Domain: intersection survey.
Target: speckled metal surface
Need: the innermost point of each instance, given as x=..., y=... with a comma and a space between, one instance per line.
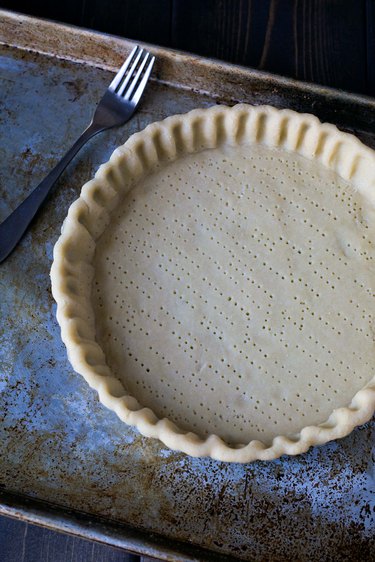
x=59, y=444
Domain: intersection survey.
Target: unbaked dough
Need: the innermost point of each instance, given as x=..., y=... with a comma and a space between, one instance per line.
x=215, y=282
x=234, y=293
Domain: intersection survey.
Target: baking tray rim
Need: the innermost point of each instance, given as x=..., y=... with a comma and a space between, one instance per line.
x=9, y=18
x=80, y=524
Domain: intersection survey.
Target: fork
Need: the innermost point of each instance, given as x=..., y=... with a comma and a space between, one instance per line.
x=114, y=109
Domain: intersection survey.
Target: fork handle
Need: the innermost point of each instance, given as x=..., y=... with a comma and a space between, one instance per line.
x=15, y=225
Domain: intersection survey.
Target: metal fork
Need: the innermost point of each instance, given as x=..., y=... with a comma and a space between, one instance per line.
x=114, y=109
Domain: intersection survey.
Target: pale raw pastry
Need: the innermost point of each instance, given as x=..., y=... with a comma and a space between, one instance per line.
x=215, y=282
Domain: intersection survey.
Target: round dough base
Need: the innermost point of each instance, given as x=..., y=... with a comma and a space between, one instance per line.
x=233, y=292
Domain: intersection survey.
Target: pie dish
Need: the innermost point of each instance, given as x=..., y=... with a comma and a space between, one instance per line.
x=214, y=282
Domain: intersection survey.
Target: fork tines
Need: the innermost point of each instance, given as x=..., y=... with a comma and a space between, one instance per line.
x=133, y=75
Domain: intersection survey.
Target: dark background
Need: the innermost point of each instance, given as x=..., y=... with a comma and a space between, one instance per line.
x=329, y=42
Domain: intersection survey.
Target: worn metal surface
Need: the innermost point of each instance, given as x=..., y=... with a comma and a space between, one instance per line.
x=220, y=81
x=57, y=442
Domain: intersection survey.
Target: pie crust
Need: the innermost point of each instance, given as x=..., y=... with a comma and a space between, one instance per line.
x=214, y=282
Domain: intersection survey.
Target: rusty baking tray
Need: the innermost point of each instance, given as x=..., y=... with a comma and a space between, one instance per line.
x=65, y=461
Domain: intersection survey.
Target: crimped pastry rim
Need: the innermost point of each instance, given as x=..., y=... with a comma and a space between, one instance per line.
x=89, y=214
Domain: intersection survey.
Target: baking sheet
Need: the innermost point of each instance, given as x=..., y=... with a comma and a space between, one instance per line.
x=57, y=442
